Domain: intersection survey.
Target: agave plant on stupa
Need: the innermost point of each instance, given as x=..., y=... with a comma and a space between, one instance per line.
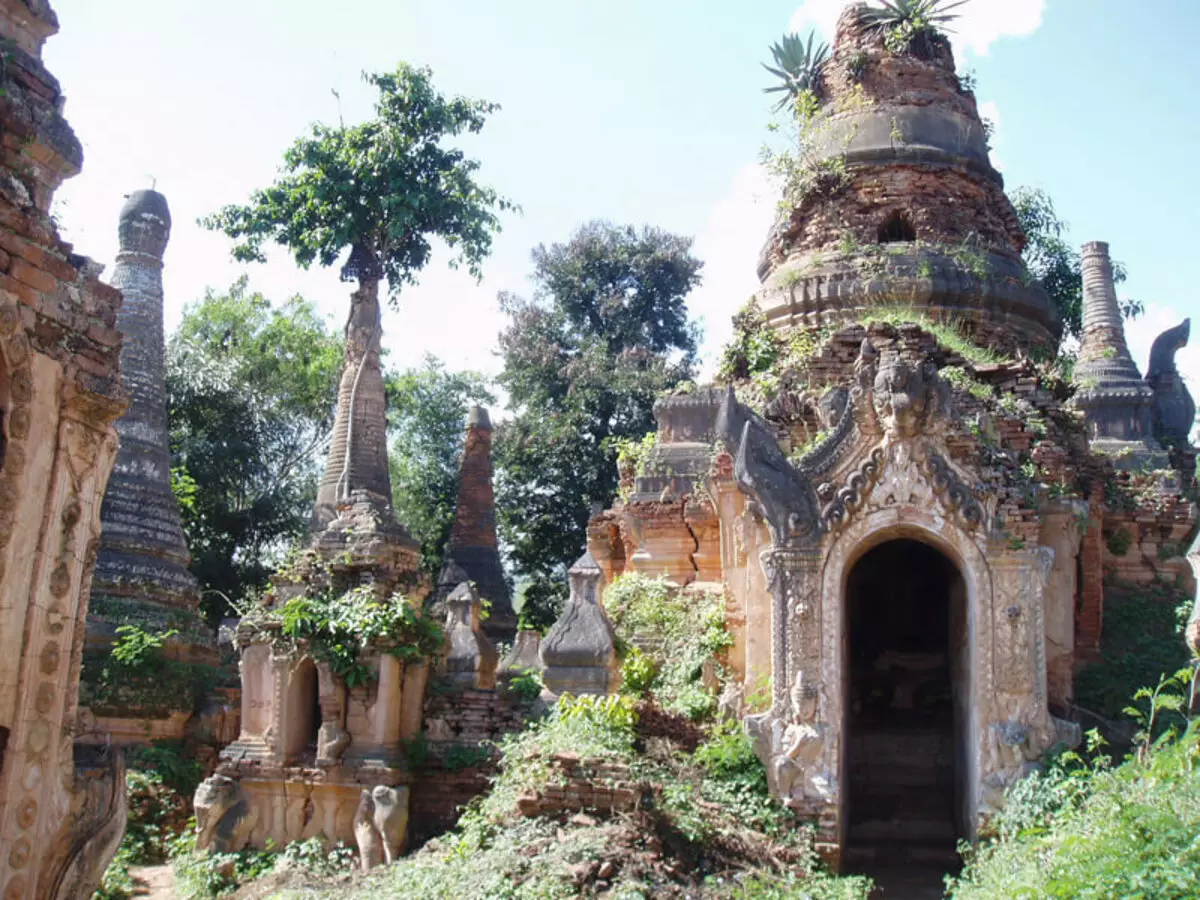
x=797, y=66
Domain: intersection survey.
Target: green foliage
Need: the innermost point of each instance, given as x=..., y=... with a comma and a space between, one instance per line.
x=1142, y=640
x=138, y=650
x=1164, y=708
x=427, y=412
x=754, y=348
x=798, y=67
x=200, y=876
x=965, y=381
x=1055, y=262
x=314, y=858
x=638, y=671
x=803, y=161
x=584, y=361
x=251, y=390
x=527, y=685
x=910, y=26
x=169, y=762
x=135, y=677
x=466, y=756
x=1119, y=541
x=676, y=634
x=1094, y=834
x=339, y=628
x=382, y=188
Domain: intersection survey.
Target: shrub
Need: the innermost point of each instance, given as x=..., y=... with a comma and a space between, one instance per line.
x=1129, y=831
x=671, y=639
x=1142, y=640
x=526, y=686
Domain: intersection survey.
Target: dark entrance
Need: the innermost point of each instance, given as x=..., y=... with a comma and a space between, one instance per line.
x=907, y=699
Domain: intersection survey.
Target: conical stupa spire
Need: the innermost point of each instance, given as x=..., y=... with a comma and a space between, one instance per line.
x=473, y=546
x=143, y=554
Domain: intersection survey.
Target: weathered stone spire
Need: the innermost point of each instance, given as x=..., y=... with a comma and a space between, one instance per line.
x=473, y=549
x=898, y=204
x=358, y=453
x=1116, y=401
x=143, y=555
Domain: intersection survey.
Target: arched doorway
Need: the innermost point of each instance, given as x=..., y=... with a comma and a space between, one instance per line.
x=907, y=664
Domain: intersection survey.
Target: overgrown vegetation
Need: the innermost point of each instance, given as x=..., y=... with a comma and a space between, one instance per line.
x=251, y=388
x=911, y=26
x=672, y=641
x=136, y=677
x=1087, y=830
x=1142, y=639
x=338, y=625
x=798, y=67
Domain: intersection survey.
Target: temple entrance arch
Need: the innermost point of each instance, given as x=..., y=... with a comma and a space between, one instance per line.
x=906, y=685
x=975, y=697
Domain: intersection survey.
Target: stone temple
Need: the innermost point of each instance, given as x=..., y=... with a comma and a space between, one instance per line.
x=911, y=537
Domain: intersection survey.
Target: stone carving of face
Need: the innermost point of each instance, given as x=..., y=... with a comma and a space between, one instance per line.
x=899, y=395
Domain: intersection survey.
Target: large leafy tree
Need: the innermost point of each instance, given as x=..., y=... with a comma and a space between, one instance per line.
x=250, y=389
x=427, y=411
x=381, y=190
x=605, y=332
x=1055, y=262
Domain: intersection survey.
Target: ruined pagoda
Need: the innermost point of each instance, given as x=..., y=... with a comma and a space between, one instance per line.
x=906, y=209
x=894, y=505
x=142, y=572
x=472, y=553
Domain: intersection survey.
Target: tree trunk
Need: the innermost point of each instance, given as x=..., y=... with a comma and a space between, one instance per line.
x=358, y=453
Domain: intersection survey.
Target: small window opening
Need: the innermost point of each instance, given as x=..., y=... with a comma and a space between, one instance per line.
x=897, y=229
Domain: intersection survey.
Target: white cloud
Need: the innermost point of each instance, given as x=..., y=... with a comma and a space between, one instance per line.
x=729, y=244
x=980, y=22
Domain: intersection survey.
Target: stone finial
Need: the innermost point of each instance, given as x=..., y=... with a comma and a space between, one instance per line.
x=471, y=658
x=579, y=654
x=1116, y=402
x=1103, y=328
x=525, y=653
x=477, y=417
x=145, y=224
x=473, y=553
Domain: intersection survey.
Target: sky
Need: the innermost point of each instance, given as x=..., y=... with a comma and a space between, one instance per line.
x=635, y=111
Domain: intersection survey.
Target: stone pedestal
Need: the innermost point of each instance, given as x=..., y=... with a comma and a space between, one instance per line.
x=579, y=653
x=471, y=659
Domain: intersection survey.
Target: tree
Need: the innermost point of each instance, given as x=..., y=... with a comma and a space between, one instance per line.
x=1055, y=262
x=250, y=391
x=605, y=333
x=427, y=411
x=381, y=189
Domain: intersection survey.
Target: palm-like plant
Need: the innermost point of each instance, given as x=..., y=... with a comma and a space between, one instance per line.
x=918, y=14
x=907, y=21
x=797, y=65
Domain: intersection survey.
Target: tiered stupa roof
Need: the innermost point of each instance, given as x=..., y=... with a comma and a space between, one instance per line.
x=905, y=208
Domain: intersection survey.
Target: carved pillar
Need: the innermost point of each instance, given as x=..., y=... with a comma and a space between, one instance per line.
x=793, y=577
x=1062, y=531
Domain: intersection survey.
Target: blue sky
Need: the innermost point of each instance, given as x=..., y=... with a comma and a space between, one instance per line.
x=639, y=112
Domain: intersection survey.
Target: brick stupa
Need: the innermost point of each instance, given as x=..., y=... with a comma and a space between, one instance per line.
x=473, y=551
